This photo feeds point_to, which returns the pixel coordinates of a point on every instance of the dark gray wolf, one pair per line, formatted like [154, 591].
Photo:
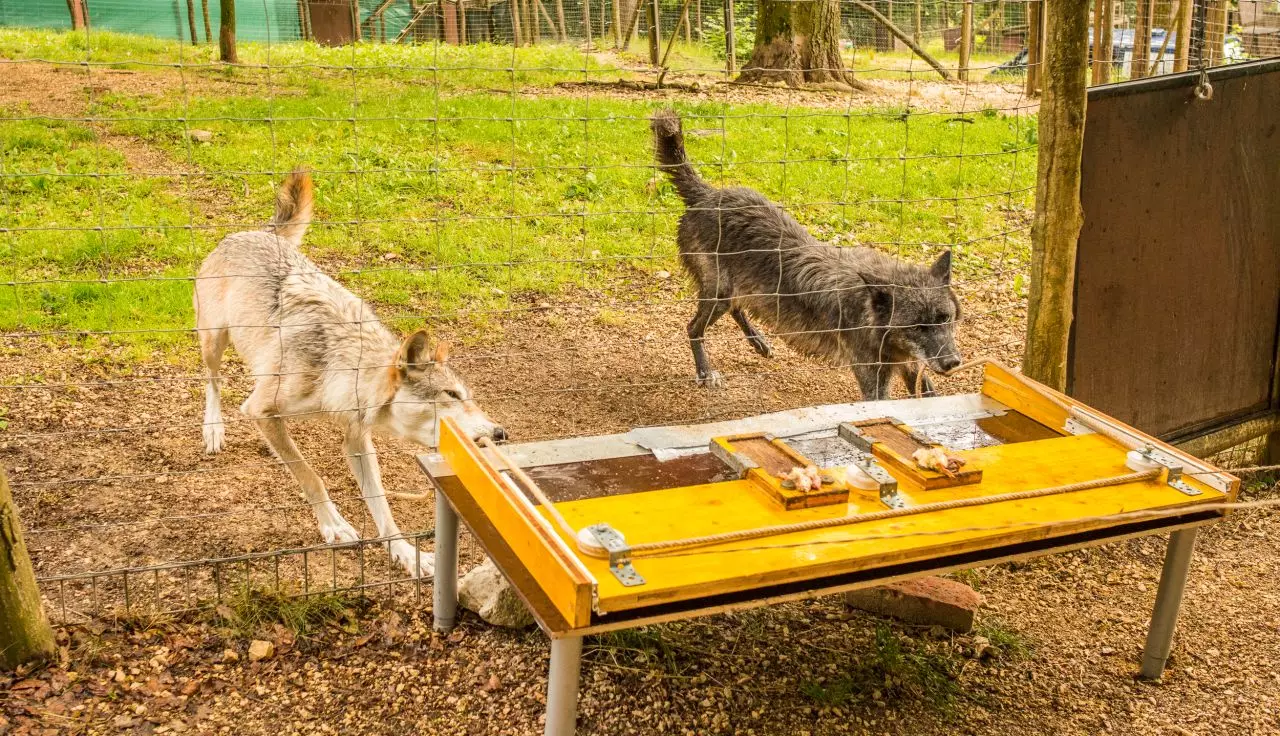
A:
[318, 351]
[852, 306]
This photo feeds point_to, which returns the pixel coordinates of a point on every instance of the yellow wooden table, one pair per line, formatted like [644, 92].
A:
[662, 488]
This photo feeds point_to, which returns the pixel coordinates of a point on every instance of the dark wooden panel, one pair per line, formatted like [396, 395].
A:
[331, 22]
[1178, 280]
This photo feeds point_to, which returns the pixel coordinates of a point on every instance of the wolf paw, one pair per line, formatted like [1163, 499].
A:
[711, 379]
[339, 531]
[762, 347]
[214, 438]
[414, 562]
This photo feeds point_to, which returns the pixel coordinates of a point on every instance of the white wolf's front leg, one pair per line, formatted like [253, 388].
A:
[363, 459]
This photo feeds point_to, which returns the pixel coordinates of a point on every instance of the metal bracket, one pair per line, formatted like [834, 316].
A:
[889, 495]
[1174, 467]
[619, 554]
[855, 436]
[1075, 426]
[737, 461]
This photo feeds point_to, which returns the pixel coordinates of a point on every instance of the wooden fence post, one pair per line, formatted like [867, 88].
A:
[227, 31]
[586, 20]
[966, 39]
[1035, 46]
[654, 10]
[730, 47]
[1058, 218]
[24, 631]
[1182, 20]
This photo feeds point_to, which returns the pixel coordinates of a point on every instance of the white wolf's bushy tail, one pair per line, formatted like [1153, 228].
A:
[293, 207]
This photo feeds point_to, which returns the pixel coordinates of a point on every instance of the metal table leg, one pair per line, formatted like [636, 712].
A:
[1173, 581]
[444, 605]
[562, 686]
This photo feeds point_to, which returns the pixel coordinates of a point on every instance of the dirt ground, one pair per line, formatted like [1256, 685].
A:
[105, 458]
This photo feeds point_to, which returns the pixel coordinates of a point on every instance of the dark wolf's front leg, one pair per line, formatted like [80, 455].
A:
[709, 310]
[911, 374]
[873, 379]
[754, 337]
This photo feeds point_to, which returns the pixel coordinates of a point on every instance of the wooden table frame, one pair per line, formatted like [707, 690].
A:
[453, 503]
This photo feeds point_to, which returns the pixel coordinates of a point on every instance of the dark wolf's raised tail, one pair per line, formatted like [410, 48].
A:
[668, 146]
[293, 207]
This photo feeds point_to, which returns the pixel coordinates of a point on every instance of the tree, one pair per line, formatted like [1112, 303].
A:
[24, 632]
[227, 32]
[798, 42]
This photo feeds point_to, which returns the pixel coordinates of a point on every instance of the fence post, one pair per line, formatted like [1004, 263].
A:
[655, 32]
[24, 631]
[227, 31]
[730, 48]
[586, 21]
[1058, 218]
[966, 39]
[1035, 46]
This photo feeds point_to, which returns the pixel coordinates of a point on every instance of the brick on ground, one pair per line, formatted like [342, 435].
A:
[930, 601]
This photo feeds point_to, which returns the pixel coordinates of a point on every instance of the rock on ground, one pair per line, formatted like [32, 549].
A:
[929, 601]
[485, 592]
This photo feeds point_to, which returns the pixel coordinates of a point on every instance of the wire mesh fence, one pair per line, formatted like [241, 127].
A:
[506, 198]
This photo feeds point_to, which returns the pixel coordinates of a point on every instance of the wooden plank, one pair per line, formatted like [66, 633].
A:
[1008, 389]
[566, 583]
[706, 509]
[836, 584]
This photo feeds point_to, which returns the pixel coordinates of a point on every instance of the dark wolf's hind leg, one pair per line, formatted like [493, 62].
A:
[911, 373]
[754, 337]
[709, 310]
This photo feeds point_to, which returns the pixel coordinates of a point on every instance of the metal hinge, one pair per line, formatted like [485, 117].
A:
[619, 554]
[1173, 466]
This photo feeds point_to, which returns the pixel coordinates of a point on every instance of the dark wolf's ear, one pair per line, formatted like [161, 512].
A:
[413, 352]
[881, 294]
[941, 268]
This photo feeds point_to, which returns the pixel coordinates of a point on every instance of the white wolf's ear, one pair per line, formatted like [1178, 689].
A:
[441, 353]
[413, 352]
[941, 268]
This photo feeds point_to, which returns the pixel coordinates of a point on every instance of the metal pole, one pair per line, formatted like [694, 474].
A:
[562, 686]
[1173, 581]
[444, 607]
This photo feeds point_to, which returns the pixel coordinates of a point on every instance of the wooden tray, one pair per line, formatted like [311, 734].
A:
[895, 444]
[767, 460]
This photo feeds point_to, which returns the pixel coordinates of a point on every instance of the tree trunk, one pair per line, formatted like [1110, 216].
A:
[76, 8]
[617, 25]
[1182, 59]
[208, 29]
[586, 21]
[966, 39]
[516, 35]
[1056, 227]
[227, 32]
[1142, 38]
[191, 21]
[798, 43]
[918, 28]
[24, 632]
[562, 29]
[1215, 29]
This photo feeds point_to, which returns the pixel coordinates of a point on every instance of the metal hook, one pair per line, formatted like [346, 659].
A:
[1204, 90]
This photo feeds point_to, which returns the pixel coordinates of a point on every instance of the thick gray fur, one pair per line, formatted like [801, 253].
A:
[851, 306]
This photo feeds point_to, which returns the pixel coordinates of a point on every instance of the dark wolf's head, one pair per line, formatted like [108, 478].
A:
[920, 310]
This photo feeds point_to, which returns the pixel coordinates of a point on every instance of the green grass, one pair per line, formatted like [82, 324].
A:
[436, 193]
[257, 610]
[895, 669]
